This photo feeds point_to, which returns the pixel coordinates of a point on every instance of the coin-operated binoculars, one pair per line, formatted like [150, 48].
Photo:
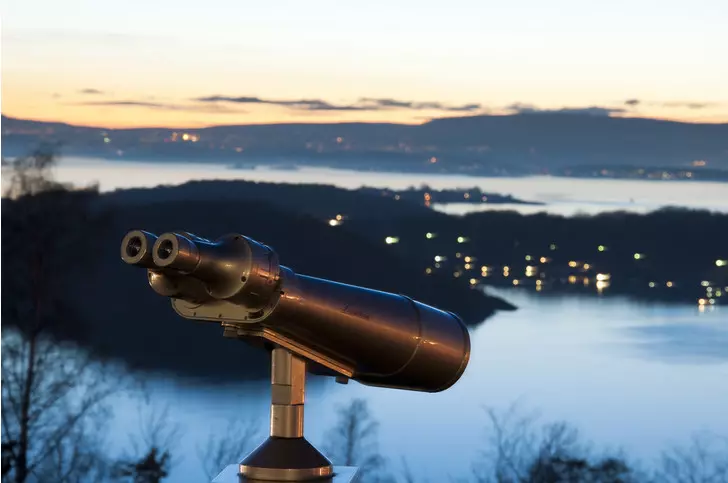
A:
[376, 338]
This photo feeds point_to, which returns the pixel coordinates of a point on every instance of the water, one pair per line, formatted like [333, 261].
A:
[565, 196]
[640, 377]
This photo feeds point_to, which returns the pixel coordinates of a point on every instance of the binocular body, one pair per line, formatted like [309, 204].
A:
[376, 338]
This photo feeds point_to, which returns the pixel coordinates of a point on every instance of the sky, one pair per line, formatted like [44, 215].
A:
[189, 63]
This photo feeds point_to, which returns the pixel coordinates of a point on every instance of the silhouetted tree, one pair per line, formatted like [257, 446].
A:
[705, 460]
[353, 442]
[517, 453]
[152, 468]
[151, 446]
[227, 446]
[52, 393]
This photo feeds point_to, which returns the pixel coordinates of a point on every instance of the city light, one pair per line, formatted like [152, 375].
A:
[638, 256]
[572, 279]
[587, 266]
[428, 270]
[433, 160]
[603, 277]
[333, 222]
[601, 248]
[573, 264]
[468, 266]
[544, 260]
[601, 285]
[705, 283]
[721, 263]
[339, 217]
[391, 239]
[702, 301]
[516, 282]
[429, 235]
[458, 255]
[468, 259]
[107, 140]
[528, 258]
[473, 281]
[439, 258]
[668, 284]
[462, 239]
[456, 274]
[652, 284]
[466, 195]
[553, 247]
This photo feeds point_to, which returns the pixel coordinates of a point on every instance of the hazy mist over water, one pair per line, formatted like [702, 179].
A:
[566, 196]
[638, 376]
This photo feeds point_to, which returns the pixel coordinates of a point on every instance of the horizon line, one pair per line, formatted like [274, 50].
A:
[414, 124]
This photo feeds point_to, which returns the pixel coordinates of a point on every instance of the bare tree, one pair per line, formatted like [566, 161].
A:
[149, 459]
[353, 442]
[52, 393]
[518, 453]
[228, 446]
[705, 460]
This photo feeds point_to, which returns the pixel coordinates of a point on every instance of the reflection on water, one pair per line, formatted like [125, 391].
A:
[687, 342]
[632, 375]
[563, 195]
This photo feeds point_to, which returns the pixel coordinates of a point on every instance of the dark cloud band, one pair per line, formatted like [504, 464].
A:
[363, 104]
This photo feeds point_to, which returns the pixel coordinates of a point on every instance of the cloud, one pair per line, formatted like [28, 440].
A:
[685, 104]
[363, 104]
[418, 106]
[519, 108]
[215, 109]
[690, 105]
[302, 104]
[90, 91]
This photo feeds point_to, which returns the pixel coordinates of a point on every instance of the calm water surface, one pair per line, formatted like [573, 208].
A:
[565, 196]
[641, 377]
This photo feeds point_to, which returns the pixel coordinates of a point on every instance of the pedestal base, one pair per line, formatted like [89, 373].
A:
[342, 474]
[286, 459]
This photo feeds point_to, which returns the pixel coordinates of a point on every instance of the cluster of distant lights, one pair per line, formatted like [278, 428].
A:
[602, 279]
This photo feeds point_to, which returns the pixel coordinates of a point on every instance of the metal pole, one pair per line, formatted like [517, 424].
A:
[288, 389]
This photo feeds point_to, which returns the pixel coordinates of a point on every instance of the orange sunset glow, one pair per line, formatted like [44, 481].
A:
[92, 65]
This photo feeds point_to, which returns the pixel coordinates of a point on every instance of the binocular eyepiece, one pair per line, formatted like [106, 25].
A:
[376, 338]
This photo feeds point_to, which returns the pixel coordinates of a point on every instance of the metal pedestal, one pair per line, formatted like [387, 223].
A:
[286, 456]
[342, 474]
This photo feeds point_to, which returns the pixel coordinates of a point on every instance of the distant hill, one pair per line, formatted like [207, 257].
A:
[507, 144]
